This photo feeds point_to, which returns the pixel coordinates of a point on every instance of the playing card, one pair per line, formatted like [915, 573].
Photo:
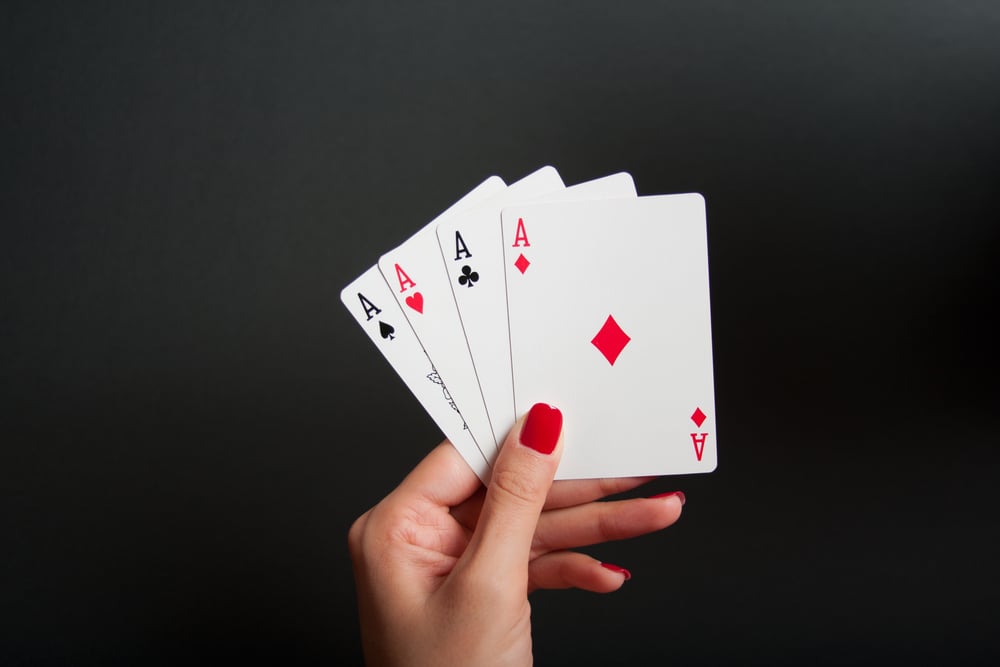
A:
[471, 249]
[375, 309]
[371, 302]
[419, 284]
[609, 316]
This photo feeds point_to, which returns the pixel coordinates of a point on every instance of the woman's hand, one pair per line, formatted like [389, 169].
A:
[444, 568]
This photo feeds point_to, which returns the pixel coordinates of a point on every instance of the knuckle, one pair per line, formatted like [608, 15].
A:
[355, 535]
[519, 486]
[385, 526]
[610, 486]
[373, 527]
[606, 486]
[609, 523]
[358, 528]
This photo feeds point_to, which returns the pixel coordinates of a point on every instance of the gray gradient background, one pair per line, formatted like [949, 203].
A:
[191, 421]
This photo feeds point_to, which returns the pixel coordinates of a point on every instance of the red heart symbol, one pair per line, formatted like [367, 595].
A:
[416, 302]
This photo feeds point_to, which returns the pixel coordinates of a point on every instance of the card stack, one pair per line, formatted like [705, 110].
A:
[586, 297]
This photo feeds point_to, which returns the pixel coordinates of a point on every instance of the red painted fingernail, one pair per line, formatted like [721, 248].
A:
[542, 427]
[679, 494]
[618, 569]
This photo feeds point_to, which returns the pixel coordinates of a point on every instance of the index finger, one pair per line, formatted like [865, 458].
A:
[442, 477]
[569, 492]
[564, 493]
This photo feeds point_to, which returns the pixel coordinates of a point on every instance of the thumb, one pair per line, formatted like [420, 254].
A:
[522, 476]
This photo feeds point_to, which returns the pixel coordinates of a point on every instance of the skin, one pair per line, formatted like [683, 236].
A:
[443, 567]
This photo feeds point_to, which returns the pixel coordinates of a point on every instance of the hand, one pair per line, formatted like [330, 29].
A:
[444, 568]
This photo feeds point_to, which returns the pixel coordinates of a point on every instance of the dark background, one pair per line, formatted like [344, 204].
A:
[191, 420]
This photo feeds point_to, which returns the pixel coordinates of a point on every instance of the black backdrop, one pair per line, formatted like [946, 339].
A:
[191, 420]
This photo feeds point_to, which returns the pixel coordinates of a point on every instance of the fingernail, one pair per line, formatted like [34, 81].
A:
[679, 494]
[618, 569]
[541, 428]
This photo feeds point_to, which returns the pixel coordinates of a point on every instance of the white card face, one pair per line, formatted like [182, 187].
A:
[374, 307]
[417, 280]
[472, 241]
[610, 321]
[470, 248]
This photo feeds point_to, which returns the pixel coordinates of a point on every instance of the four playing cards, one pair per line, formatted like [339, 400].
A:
[588, 297]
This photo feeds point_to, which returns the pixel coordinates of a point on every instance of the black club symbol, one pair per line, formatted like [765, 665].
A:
[468, 276]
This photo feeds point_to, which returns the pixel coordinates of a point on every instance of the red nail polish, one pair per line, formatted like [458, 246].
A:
[542, 427]
[679, 494]
[618, 569]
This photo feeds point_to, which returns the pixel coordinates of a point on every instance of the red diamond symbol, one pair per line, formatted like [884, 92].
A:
[522, 263]
[698, 417]
[611, 340]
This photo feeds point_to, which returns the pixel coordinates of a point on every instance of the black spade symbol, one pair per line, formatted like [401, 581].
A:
[387, 330]
[468, 276]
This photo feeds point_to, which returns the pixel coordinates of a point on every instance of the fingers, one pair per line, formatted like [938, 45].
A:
[599, 522]
[443, 478]
[568, 569]
[564, 493]
[522, 476]
[569, 492]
